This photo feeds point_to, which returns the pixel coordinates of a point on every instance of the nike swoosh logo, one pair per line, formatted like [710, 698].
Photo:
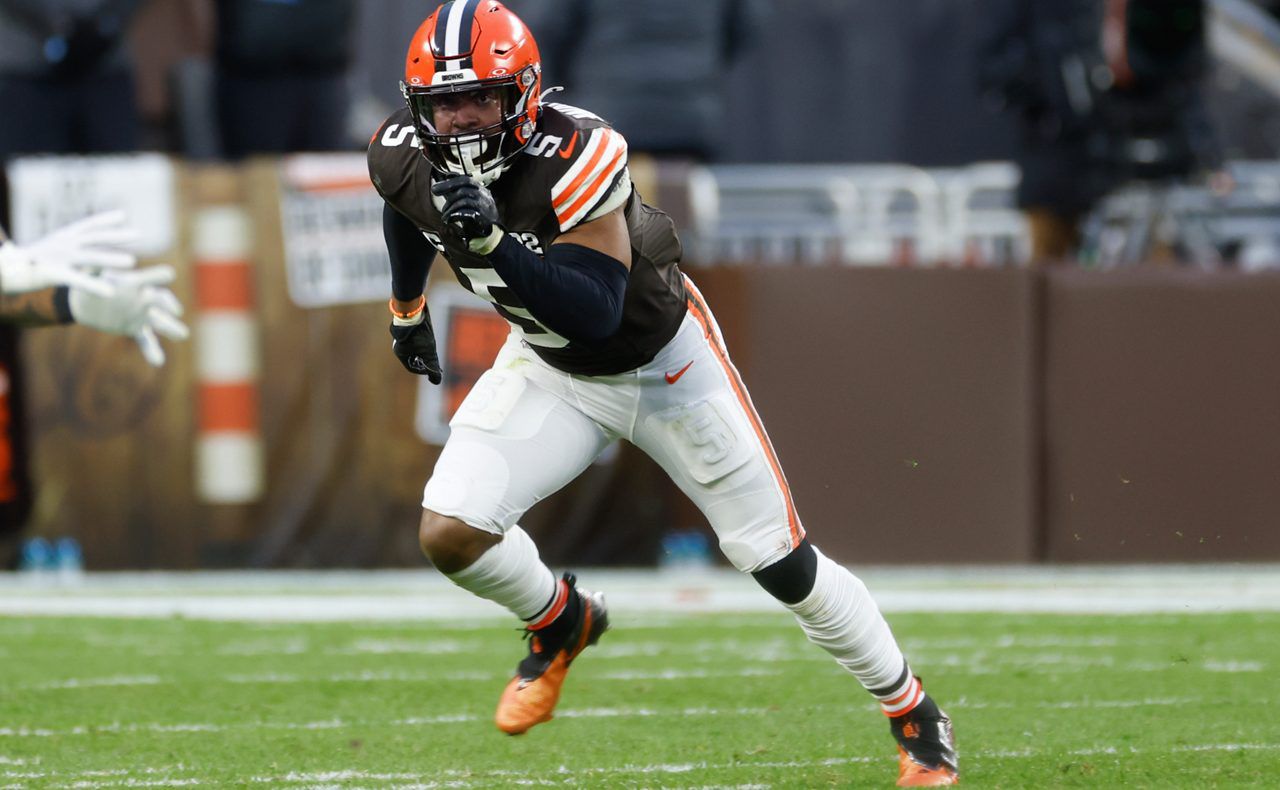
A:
[672, 378]
[565, 153]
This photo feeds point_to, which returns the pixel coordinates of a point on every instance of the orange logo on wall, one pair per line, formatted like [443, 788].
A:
[475, 336]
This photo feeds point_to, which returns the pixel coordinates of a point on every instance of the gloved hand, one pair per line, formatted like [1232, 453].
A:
[415, 345]
[137, 306]
[469, 207]
[69, 255]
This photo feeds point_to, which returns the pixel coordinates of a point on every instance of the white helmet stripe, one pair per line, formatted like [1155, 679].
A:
[453, 26]
[457, 35]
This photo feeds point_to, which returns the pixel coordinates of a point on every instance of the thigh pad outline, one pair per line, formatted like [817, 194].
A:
[491, 401]
[707, 436]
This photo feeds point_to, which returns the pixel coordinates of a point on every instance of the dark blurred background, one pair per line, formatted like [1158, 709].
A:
[810, 80]
[1002, 274]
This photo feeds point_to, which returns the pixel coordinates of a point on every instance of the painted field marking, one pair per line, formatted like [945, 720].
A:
[83, 683]
[458, 718]
[956, 664]
[1231, 666]
[405, 646]
[480, 775]
[682, 674]
[370, 676]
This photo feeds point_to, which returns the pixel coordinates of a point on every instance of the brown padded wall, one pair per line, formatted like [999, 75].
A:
[1163, 427]
[900, 403]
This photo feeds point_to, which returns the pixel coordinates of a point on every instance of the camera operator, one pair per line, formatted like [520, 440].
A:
[1107, 92]
[1153, 124]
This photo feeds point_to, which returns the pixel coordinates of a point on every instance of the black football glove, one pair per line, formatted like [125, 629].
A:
[415, 346]
[468, 206]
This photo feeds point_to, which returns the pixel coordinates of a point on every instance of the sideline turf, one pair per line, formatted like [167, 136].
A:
[679, 701]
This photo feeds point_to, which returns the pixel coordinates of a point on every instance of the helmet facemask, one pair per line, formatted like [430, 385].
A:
[486, 152]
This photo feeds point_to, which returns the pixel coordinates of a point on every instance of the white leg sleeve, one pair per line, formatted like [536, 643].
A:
[840, 616]
[511, 574]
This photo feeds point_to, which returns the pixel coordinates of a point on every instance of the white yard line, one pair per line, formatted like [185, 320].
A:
[1233, 666]
[477, 777]
[163, 782]
[369, 676]
[82, 683]
[571, 713]
[955, 664]
[425, 595]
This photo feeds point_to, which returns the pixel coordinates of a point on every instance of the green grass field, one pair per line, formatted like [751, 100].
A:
[673, 701]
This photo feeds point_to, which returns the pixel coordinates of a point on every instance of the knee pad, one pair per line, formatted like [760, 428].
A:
[791, 578]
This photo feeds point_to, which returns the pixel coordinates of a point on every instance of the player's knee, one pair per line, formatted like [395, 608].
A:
[791, 578]
[450, 544]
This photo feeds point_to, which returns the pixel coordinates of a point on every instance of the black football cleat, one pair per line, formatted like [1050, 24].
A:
[926, 747]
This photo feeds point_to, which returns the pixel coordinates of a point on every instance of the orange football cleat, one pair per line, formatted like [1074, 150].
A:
[532, 694]
[914, 774]
[926, 747]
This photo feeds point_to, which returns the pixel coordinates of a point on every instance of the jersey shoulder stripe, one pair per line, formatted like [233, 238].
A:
[588, 181]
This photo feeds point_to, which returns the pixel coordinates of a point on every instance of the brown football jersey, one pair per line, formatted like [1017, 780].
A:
[573, 170]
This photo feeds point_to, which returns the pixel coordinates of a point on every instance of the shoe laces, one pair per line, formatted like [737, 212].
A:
[535, 642]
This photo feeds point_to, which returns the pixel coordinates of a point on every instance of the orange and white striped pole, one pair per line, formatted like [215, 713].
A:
[229, 450]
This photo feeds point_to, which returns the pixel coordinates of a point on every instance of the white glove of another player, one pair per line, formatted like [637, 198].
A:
[69, 256]
[137, 306]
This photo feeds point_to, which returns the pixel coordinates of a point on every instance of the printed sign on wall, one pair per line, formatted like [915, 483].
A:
[331, 218]
[50, 191]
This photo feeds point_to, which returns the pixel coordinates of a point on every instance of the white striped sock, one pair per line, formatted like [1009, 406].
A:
[903, 697]
[840, 616]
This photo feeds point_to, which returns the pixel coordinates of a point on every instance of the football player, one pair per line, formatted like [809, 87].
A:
[531, 204]
[82, 274]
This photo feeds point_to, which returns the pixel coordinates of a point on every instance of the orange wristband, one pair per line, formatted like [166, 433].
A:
[391, 305]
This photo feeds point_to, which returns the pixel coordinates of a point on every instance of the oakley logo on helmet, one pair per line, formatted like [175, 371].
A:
[461, 40]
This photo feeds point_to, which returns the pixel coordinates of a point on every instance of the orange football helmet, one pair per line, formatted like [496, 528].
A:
[469, 45]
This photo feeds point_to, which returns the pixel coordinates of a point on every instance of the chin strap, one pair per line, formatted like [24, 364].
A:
[487, 177]
[483, 177]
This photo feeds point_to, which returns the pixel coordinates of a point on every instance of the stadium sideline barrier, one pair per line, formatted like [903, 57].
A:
[947, 413]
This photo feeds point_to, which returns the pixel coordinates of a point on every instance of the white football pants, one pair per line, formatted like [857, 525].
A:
[527, 429]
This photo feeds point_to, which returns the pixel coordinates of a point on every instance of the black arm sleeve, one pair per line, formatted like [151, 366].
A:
[411, 254]
[575, 291]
